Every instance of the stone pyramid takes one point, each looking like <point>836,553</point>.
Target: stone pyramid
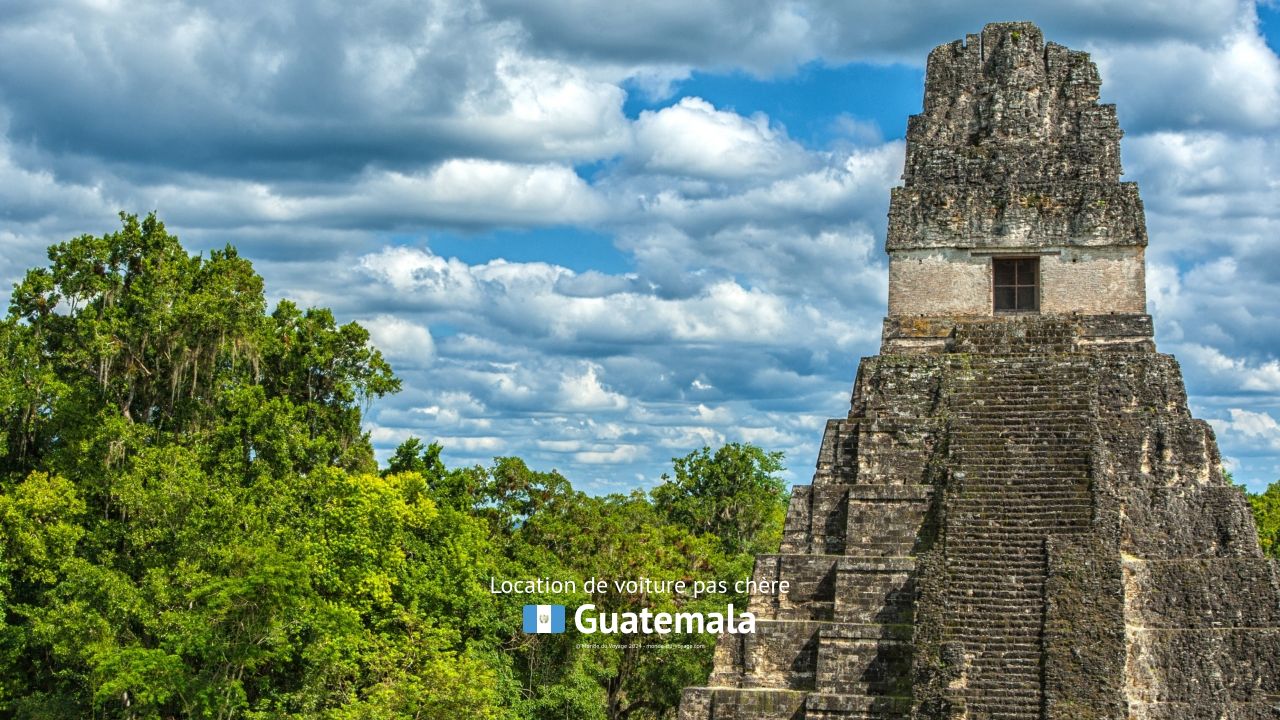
<point>1019,518</point>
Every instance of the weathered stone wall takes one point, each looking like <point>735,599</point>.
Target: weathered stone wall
<point>1093,281</point>
<point>1005,106</point>
<point>998,216</point>
<point>939,282</point>
<point>1023,524</point>
<point>1013,154</point>
<point>908,335</point>
<point>1084,630</point>
<point>953,282</point>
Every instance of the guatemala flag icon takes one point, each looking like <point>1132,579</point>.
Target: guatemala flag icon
<point>544,618</point>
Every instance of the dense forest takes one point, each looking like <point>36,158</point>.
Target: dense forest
<point>193,522</point>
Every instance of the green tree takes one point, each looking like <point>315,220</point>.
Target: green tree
<point>733,494</point>
<point>190,521</point>
<point>411,456</point>
<point>621,538</point>
<point>1266,513</point>
<point>325,369</point>
<point>551,530</point>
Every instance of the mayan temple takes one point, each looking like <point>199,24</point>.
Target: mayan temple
<point>1019,518</point>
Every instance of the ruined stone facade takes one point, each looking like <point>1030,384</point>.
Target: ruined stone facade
<point>1019,518</point>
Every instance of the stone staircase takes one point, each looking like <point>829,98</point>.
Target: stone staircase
<point>1019,457</point>
<point>1023,526</point>
<point>838,643</point>
<point>1019,519</point>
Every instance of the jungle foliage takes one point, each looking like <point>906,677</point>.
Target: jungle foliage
<point>1266,513</point>
<point>193,523</point>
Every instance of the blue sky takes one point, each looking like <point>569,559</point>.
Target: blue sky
<point>599,236</point>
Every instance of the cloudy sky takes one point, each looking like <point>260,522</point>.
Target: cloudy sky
<point>598,234</point>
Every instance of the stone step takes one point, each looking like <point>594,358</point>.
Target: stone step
<point>832,706</point>
<point>1043,465</point>
<point>986,511</point>
<point>1029,391</point>
<point>996,524</point>
<point>1026,489</point>
<point>1006,424</point>
<point>880,541</point>
<point>1005,583</point>
<point>984,419</point>
<point>1074,374</point>
<point>1009,380</point>
<point>979,433</point>
<point>1025,381</point>
<point>1011,710</point>
<point>864,665</point>
<point>1015,484</point>
<point>996,476</point>
<point>1017,383</point>
<point>1013,494</point>
<point>1020,487</point>
<point>993,577</point>
<point>988,561</point>
<point>1018,401</point>
<point>872,551</point>
<point>1027,402</point>
<point>1063,419</point>
<point>1008,529</point>
<point>1004,334</point>
<point>992,563</point>
<point>1002,387</point>
<point>994,441</point>
<point>960,541</point>
<point>1008,587</point>
<point>1024,493</point>
<point>1001,623</point>
<point>1018,532</point>
<point>1045,462</point>
<point>1047,456</point>
<point>1027,467</point>
<point>1020,679</point>
<point>989,651</point>
<point>981,701</point>
<point>1013,385</point>
<point>995,603</point>
<point>968,507</point>
<point>1001,436</point>
<point>723,703</point>
<point>1007,493</point>
<point>1030,346</point>
<point>780,654</point>
<point>997,664</point>
<point>1043,459</point>
<point>1015,654</point>
<point>991,415</point>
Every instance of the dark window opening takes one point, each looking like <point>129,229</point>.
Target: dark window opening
<point>1017,284</point>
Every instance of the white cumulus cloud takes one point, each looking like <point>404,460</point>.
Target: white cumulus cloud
<point>693,138</point>
<point>400,339</point>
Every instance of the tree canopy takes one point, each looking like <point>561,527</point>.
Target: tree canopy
<point>1266,513</point>
<point>193,522</point>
